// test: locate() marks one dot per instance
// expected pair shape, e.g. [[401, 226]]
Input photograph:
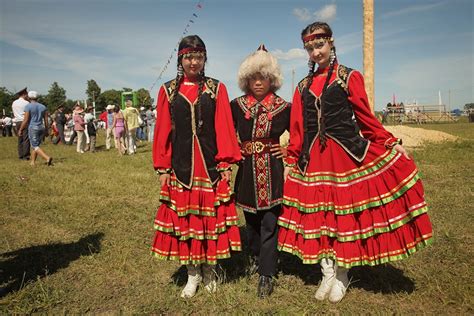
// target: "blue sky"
[[421, 47]]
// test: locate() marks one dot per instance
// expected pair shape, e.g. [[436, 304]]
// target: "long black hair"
[[322, 124], [191, 41]]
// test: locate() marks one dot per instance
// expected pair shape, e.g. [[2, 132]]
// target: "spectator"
[[142, 121], [130, 115], [7, 126], [150, 123], [18, 107], [120, 127], [60, 121], [108, 118], [36, 119], [79, 126], [91, 129]]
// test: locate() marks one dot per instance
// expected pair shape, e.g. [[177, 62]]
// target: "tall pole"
[[369, 50], [93, 101]]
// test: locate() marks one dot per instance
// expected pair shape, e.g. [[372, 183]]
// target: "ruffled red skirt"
[[365, 213], [196, 225]]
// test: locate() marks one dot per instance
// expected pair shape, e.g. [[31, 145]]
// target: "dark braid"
[[309, 81], [200, 122], [178, 79]]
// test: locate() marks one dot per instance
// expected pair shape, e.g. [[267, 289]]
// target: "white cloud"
[[302, 14], [414, 9], [327, 13], [293, 53]]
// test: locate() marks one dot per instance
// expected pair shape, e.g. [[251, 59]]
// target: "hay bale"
[[416, 137]]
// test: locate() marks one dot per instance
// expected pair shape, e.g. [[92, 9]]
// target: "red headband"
[[191, 50], [311, 37]]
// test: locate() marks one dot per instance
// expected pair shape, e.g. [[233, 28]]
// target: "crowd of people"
[[78, 126]]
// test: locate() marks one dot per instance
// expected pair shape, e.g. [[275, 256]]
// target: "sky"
[[422, 48]]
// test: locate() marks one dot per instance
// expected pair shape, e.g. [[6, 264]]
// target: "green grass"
[[75, 238]]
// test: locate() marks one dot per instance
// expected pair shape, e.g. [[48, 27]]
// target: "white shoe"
[[209, 278], [338, 290], [329, 277], [194, 279]]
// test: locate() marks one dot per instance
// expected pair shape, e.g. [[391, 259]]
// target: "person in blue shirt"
[[36, 119]]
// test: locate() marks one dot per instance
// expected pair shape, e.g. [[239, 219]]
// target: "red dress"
[[365, 212], [197, 223]]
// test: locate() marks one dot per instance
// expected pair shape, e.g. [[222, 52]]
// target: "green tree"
[[108, 97], [6, 100], [55, 97], [143, 97], [69, 105], [93, 90]]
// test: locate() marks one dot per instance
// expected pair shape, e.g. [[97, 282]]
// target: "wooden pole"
[[369, 50]]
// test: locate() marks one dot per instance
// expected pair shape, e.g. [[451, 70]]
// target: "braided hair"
[[198, 104], [191, 41], [322, 124]]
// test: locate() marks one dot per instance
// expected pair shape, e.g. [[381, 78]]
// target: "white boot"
[[194, 278], [339, 288], [209, 277], [329, 277]]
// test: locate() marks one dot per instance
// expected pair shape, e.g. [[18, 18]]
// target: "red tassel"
[[247, 115], [269, 116]]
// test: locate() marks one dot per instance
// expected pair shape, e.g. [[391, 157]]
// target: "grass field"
[[75, 238]]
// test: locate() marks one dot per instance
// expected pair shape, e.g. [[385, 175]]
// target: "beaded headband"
[[190, 50], [319, 37]]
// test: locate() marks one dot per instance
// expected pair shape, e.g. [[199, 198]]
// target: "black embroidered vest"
[[338, 116], [185, 121]]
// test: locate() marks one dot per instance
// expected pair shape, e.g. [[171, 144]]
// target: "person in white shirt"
[[7, 126], [18, 107]]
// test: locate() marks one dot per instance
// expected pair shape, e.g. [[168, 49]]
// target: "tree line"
[[56, 96]]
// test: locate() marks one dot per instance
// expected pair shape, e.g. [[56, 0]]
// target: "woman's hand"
[[285, 173], [402, 151], [226, 175], [278, 151], [165, 179]]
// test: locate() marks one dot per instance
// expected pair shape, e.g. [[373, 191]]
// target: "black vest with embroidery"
[[259, 182], [183, 113], [338, 116]]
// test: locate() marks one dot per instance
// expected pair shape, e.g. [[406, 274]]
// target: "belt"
[[260, 146]]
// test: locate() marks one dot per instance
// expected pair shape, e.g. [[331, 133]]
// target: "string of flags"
[[191, 20]]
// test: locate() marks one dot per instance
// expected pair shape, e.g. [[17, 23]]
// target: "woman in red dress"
[[197, 221], [352, 195]]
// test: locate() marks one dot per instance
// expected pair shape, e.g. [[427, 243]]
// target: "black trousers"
[[23, 143], [60, 137], [262, 235]]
